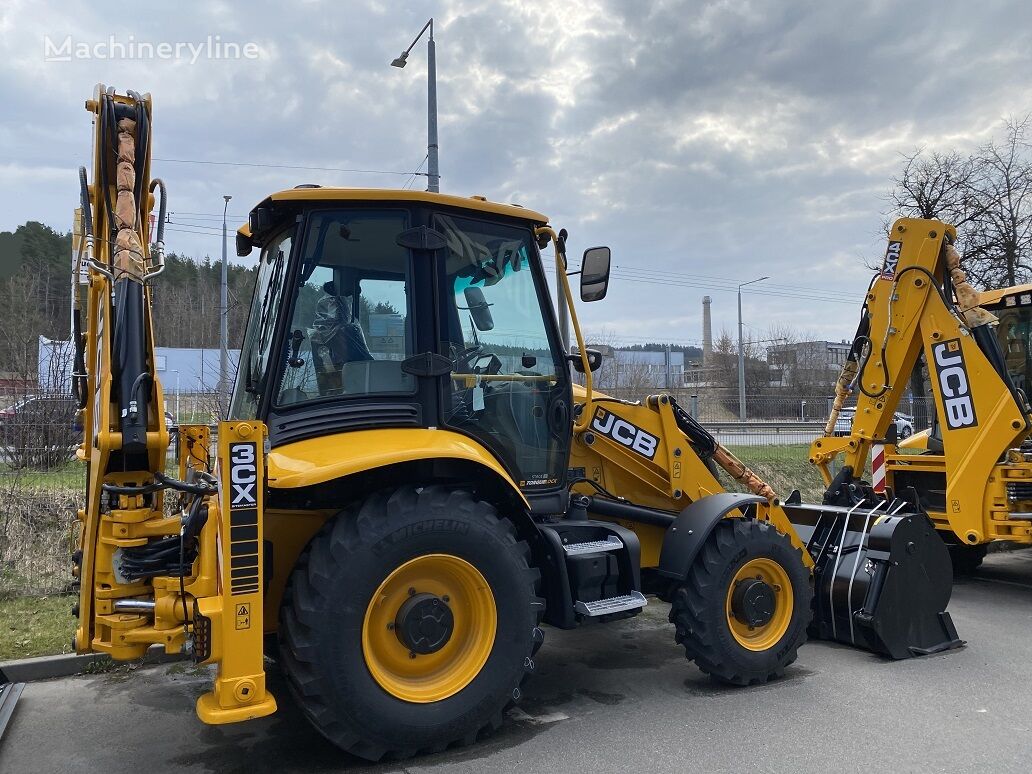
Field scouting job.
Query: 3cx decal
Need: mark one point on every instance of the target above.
(243, 475)
(623, 432)
(954, 384)
(891, 260)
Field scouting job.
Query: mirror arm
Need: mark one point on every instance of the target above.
(580, 423)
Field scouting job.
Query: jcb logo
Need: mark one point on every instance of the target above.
(243, 475)
(891, 260)
(622, 431)
(954, 384)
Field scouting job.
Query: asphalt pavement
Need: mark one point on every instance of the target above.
(610, 699)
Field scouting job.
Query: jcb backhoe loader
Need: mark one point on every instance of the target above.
(409, 485)
(972, 470)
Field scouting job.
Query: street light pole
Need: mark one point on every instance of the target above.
(432, 168)
(741, 352)
(176, 372)
(224, 319)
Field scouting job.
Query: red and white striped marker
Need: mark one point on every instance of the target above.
(878, 468)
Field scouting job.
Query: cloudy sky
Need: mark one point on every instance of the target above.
(709, 143)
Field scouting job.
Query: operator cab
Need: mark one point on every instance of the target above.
(384, 309)
(1013, 307)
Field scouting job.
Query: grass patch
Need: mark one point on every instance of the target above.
(790, 453)
(69, 477)
(35, 626)
(785, 467)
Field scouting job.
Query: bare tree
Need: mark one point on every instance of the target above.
(998, 242)
(987, 196)
(934, 185)
(605, 378)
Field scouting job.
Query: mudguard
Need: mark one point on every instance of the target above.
(686, 536)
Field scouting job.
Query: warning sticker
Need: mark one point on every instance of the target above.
(243, 616)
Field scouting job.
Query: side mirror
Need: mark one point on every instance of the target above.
(479, 308)
(594, 276)
(594, 360)
(244, 245)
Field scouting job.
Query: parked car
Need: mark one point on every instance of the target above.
(37, 409)
(904, 423)
(39, 431)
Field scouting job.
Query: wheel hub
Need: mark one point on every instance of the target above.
(753, 602)
(424, 624)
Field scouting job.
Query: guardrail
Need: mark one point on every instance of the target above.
(764, 427)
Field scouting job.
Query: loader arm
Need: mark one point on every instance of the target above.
(921, 304)
(161, 560)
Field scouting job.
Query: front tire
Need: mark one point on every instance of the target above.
(742, 612)
(410, 622)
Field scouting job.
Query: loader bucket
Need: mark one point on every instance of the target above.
(882, 577)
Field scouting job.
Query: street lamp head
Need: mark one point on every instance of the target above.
(751, 282)
(401, 61)
(227, 198)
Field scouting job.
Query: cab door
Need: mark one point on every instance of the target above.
(509, 387)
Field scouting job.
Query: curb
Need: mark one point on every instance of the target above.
(28, 670)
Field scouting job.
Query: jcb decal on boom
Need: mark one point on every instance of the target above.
(623, 432)
(954, 384)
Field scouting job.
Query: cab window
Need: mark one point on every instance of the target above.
(350, 328)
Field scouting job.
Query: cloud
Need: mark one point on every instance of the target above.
(718, 139)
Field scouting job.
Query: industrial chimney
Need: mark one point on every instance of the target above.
(707, 333)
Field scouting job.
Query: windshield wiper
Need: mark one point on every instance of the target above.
(249, 382)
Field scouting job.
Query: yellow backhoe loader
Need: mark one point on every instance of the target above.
(409, 485)
(971, 472)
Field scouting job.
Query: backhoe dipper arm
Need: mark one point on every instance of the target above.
(185, 578)
(921, 302)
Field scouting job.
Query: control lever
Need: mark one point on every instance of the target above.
(295, 349)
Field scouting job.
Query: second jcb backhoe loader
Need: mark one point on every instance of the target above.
(409, 484)
(972, 471)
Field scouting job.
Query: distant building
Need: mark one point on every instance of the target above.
(806, 363)
(182, 369)
(637, 369)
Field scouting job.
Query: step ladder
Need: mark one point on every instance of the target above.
(633, 601)
(612, 543)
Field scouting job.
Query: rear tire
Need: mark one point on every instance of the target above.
(348, 662)
(722, 645)
(966, 559)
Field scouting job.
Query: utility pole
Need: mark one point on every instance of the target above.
(669, 368)
(224, 320)
(741, 352)
(433, 182)
(432, 168)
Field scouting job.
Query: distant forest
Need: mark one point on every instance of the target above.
(35, 297)
(35, 300)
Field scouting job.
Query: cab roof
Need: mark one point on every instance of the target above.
(471, 203)
(992, 297)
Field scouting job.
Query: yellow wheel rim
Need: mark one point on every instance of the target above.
(769, 634)
(424, 678)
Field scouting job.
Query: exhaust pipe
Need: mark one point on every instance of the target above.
(882, 576)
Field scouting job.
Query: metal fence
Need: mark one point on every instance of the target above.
(42, 485)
